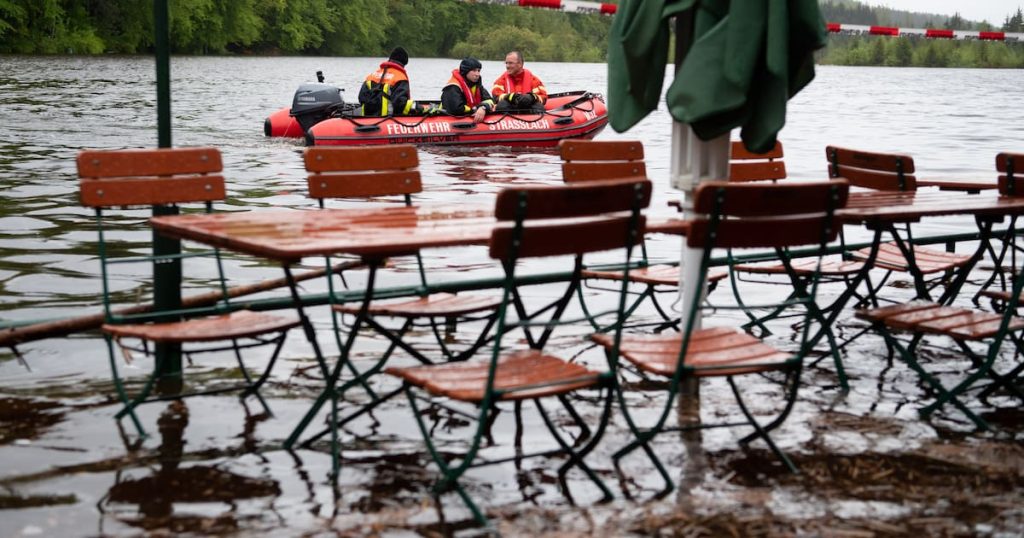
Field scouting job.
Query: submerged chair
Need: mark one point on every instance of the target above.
(1010, 183)
(168, 178)
(534, 222)
(964, 326)
(381, 172)
(892, 172)
(735, 216)
(589, 160)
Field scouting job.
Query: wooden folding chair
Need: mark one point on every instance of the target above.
(892, 172)
(590, 160)
(745, 166)
(534, 222)
(964, 326)
(736, 216)
(1011, 183)
(167, 178)
(379, 172)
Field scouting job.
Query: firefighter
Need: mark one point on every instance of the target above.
(517, 89)
(464, 95)
(386, 91)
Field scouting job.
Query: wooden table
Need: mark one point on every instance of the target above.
(880, 211)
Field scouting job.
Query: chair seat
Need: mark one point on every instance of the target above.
(829, 267)
(240, 324)
(929, 260)
(434, 305)
(715, 351)
(533, 372)
(999, 295)
(655, 275)
(928, 317)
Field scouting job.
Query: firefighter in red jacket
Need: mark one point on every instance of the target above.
(386, 91)
(518, 89)
(464, 95)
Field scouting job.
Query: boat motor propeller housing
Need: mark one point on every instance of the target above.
(314, 103)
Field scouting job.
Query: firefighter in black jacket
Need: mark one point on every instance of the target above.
(463, 95)
(386, 90)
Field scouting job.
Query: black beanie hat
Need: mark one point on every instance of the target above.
(469, 64)
(399, 56)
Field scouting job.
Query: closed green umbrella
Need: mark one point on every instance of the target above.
(747, 58)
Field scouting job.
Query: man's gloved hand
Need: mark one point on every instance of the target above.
(433, 110)
(523, 100)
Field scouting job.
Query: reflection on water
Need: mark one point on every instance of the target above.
(216, 469)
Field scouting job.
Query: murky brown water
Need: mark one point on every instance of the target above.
(211, 466)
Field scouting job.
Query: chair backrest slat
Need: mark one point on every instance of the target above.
(1011, 175)
(604, 150)
(590, 160)
(341, 172)
(571, 219)
(878, 171)
(573, 172)
(572, 200)
(345, 185)
(343, 159)
(766, 215)
(150, 176)
(98, 164)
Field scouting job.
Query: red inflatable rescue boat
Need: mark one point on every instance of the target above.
(566, 115)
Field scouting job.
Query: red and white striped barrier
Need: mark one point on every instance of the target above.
(581, 6)
(570, 6)
(931, 33)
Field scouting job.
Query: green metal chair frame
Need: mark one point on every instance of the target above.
(168, 178)
(590, 160)
(380, 172)
(736, 216)
(1010, 184)
(534, 222)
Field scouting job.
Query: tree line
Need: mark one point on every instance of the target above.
(430, 28)
(427, 28)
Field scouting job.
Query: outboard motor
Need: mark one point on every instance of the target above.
(314, 103)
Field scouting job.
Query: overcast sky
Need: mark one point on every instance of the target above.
(994, 11)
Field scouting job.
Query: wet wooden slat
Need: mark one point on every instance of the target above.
(534, 373)
(240, 324)
(757, 171)
(437, 304)
(573, 172)
(148, 162)
(663, 275)
(737, 151)
(151, 190)
(342, 185)
(601, 150)
(928, 260)
(714, 351)
(343, 159)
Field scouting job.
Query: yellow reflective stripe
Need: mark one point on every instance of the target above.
(409, 105)
(384, 102)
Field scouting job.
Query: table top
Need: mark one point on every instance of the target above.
(969, 185)
(895, 206)
(291, 234)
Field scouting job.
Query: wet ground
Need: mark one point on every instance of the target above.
(869, 465)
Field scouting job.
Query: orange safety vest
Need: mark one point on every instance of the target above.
(526, 83)
(385, 77)
(472, 96)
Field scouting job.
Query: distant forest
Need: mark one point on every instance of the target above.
(435, 28)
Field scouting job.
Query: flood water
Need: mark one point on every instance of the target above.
(210, 466)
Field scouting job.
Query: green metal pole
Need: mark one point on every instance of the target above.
(166, 275)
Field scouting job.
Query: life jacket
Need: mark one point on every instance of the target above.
(472, 96)
(527, 84)
(379, 84)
